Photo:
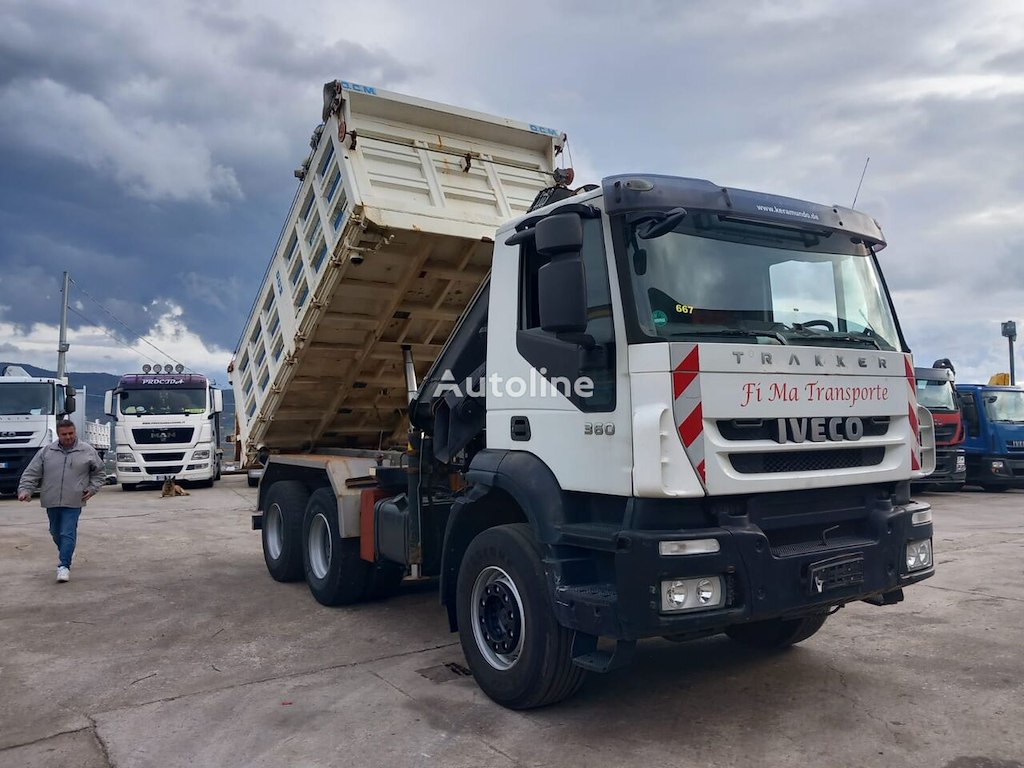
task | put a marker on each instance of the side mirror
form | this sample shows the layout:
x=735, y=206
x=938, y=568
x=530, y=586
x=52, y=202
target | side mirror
x=562, y=296
x=108, y=402
x=561, y=283
x=69, y=401
x=218, y=401
x=559, y=234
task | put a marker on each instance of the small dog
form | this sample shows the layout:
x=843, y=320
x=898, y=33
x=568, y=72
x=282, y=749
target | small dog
x=171, y=488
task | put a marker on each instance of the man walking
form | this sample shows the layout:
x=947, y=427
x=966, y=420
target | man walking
x=70, y=472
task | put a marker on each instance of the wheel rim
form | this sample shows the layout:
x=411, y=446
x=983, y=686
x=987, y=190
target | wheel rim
x=273, y=523
x=319, y=546
x=499, y=621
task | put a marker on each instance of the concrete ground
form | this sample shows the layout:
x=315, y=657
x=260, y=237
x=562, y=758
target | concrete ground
x=171, y=646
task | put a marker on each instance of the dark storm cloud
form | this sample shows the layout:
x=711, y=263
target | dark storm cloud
x=148, y=151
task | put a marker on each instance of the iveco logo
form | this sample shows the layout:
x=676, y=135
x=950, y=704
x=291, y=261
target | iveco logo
x=8, y=434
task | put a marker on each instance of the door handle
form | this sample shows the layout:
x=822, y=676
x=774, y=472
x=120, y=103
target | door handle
x=520, y=428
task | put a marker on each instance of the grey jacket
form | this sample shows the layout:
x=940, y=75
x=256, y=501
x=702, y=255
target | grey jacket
x=65, y=475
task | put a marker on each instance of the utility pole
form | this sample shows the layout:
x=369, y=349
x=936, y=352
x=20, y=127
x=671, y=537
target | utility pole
x=63, y=346
x=1010, y=332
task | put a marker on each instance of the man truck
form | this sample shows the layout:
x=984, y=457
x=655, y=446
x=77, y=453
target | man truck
x=166, y=425
x=935, y=392
x=654, y=406
x=30, y=407
x=994, y=423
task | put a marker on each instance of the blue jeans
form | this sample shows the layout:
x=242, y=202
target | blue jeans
x=64, y=530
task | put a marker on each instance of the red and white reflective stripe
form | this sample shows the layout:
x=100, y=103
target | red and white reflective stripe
x=915, y=445
x=686, y=403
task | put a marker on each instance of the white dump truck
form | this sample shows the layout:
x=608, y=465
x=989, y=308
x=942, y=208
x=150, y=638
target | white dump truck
x=655, y=406
x=30, y=407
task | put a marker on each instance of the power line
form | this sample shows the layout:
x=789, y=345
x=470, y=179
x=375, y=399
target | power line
x=124, y=325
x=114, y=338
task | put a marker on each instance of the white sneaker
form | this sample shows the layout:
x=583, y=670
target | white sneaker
x=63, y=574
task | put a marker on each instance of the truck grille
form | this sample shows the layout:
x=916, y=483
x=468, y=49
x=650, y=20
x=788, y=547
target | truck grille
x=157, y=435
x=163, y=457
x=806, y=461
x=14, y=438
x=161, y=470
x=944, y=432
x=767, y=429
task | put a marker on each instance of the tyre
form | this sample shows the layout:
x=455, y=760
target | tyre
x=252, y=481
x=127, y=487
x=216, y=474
x=994, y=488
x=775, y=634
x=204, y=483
x=519, y=654
x=335, y=573
x=282, y=529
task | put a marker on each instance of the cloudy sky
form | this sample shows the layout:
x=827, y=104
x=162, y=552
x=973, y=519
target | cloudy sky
x=148, y=148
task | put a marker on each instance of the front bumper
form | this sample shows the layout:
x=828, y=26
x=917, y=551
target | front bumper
x=763, y=578
x=157, y=466
x=13, y=462
x=997, y=471
x=950, y=469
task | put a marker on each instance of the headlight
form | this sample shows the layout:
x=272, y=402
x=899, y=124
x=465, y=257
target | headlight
x=997, y=466
x=205, y=454
x=128, y=458
x=691, y=594
x=919, y=554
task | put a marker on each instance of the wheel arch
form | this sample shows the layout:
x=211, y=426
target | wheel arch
x=506, y=487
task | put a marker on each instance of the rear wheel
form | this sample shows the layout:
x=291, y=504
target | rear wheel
x=775, y=634
x=252, y=481
x=129, y=486
x=335, y=573
x=519, y=654
x=282, y=529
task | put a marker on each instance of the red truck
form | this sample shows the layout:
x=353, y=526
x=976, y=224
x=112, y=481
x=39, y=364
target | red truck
x=935, y=392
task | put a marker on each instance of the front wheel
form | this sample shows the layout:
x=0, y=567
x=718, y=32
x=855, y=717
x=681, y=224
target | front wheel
x=775, y=634
x=520, y=655
x=993, y=488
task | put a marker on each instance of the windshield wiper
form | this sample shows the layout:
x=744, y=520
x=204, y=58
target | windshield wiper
x=855, y=338
x=735, y=332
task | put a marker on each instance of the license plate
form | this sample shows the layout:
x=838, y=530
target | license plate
x=835, y=573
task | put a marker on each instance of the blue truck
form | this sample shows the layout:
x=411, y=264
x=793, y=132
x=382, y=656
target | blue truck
x=994, y=443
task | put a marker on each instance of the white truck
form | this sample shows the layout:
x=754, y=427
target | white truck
x=166, y=425
x=30, y=407
x=651, y=407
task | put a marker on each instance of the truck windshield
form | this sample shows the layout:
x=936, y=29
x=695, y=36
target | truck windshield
x=26, y=399
x=936, y=395
x=750, y=283
x=161, y=402
x=1005, y=406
